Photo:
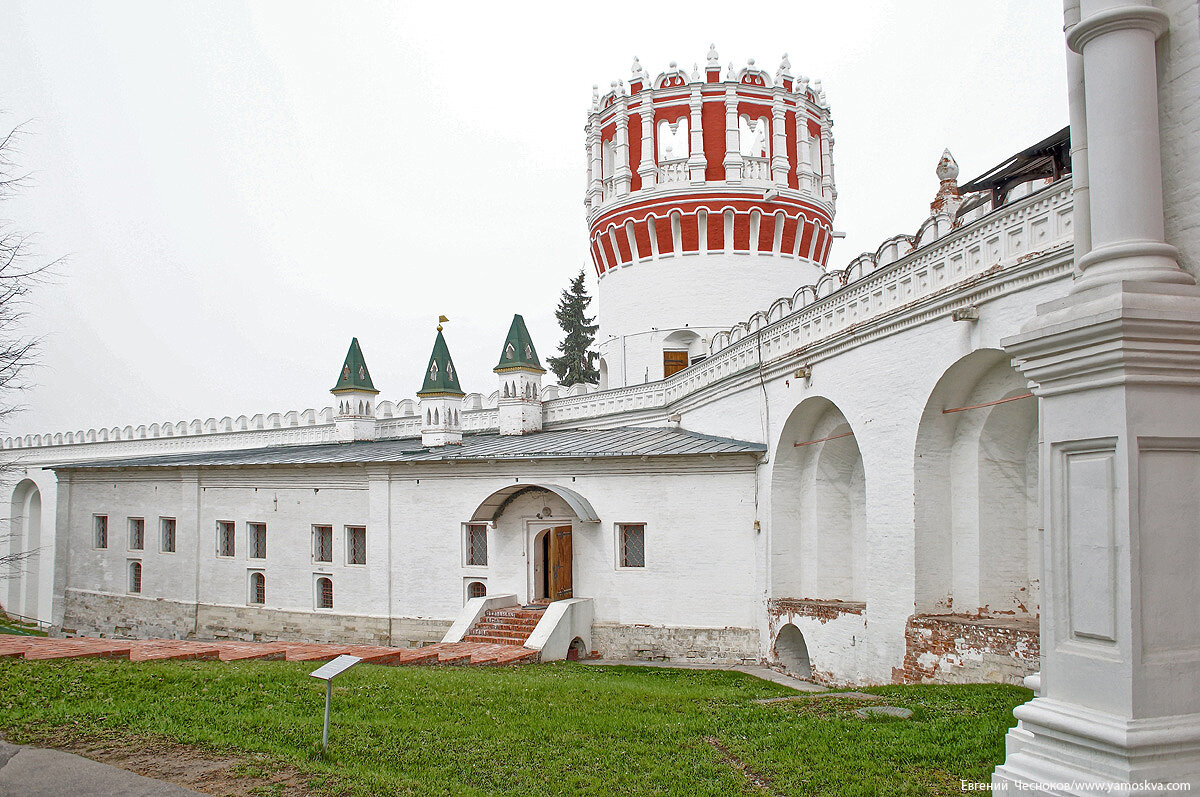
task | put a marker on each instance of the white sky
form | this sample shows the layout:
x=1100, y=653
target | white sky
x=240, y=189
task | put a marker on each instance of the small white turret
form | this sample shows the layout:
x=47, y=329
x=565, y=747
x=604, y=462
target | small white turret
x=441, y=398
x=520, y=375
x=354, y=414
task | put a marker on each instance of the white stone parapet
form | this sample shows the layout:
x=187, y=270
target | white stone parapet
x=871, y=286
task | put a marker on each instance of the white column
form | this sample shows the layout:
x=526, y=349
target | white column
x=595, y=190
x=826, y=161
x=622, y=174
x=733, y=139
x=1116, y=42
x=804, y=169
x=1116, y=366
x=697, y=163
x=647, y=169
x=779, y=160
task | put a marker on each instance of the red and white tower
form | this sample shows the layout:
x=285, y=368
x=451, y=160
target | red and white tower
x=710, y=195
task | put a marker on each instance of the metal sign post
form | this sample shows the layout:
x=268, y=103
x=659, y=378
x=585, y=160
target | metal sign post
x=326, y=673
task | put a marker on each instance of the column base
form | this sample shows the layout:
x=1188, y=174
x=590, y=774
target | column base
x=1062, y=749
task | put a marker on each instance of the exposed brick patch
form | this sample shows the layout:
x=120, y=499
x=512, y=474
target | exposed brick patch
x=954, y=648
x=820, y=610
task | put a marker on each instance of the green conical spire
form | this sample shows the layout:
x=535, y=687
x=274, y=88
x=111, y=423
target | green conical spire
x=354, y=374
x=441, y=378
x=518, y=351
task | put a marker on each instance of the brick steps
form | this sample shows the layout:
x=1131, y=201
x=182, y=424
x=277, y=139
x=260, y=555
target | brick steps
x=511, y=627
x=443, y=654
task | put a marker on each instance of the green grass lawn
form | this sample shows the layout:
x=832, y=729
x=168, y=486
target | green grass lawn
x=552, y=729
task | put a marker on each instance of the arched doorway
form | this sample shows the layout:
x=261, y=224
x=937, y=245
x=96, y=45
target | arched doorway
x=533, y=528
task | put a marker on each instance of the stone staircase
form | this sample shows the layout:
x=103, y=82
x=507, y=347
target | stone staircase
x=511, y=625
x=443, y=653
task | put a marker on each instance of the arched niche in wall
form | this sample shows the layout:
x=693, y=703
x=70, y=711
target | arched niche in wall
x=975, y=492
x=818, y=506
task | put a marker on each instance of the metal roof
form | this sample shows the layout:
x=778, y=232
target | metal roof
x=494, y=504
x=572, y=444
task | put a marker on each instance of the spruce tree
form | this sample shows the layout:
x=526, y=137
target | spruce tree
x=576, y=363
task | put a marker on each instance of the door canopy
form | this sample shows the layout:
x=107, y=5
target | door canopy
x=494, y=505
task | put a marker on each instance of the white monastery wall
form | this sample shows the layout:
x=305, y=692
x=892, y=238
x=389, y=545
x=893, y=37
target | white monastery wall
x=828, y=539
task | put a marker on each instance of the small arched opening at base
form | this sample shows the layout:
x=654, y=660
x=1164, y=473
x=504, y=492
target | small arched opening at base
x=577, y=650
x=792, y=652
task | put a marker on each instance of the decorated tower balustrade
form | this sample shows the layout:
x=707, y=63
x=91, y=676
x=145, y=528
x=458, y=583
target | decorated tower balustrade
x=716, y=186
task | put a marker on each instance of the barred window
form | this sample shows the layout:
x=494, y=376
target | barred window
x=476, y=589
x=166, y=526
x=258, y=540
x=225, y=541
x=137, y=533
x=322, y=543
x=476, y=543
x=100, y=531
x=324, y=593
x=258, y=588
x=135, y=577
x=356, y=545
x=632, y=544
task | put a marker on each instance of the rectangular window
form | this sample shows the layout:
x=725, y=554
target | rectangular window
x=100, y=531
x=225, y=541
x=322, y=543
x=476, y=544
x=137, y=533
x=631, y=538
x=258, y=540
x=166, y=527
x=674, y=362
x=356, y=545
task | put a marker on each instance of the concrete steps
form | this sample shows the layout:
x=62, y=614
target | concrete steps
x=445, y=654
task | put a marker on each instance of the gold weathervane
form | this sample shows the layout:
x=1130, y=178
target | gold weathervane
x=442, y=320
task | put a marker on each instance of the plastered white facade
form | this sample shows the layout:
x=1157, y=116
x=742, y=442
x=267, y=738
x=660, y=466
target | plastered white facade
x=908, y=520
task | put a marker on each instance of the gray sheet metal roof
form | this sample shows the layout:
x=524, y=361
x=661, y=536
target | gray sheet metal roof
x=573, y=443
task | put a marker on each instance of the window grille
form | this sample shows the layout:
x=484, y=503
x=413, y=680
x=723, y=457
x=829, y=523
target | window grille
x=225, y=541
x=100, y=531
x=324, y=593
x=476, y=589
x=477, y=544
x=633, y=544
x=167, y=528
x=258, y=540
x=137, y=533
x=258, y=588
x=135, y=577
x=356, y=545
x=322, y=543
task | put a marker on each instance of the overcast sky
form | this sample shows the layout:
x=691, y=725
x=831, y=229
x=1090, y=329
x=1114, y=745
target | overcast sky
x=240, y=188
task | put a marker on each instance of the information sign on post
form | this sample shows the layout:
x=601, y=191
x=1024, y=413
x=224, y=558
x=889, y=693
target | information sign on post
x=327, y=672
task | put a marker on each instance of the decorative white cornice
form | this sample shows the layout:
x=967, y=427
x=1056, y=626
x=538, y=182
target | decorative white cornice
x=1131, y=17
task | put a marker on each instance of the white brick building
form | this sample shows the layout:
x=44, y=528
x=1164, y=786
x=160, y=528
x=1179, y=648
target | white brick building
x=832, y=470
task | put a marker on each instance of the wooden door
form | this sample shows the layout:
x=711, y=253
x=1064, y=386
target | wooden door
x=560, y=563
x=674, y=362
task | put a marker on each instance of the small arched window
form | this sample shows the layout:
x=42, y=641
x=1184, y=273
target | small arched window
x=258, y=588
x=324, y=593
x=135, y=577
x=476, y=589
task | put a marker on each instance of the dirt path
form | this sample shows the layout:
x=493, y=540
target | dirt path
x=184, y=765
